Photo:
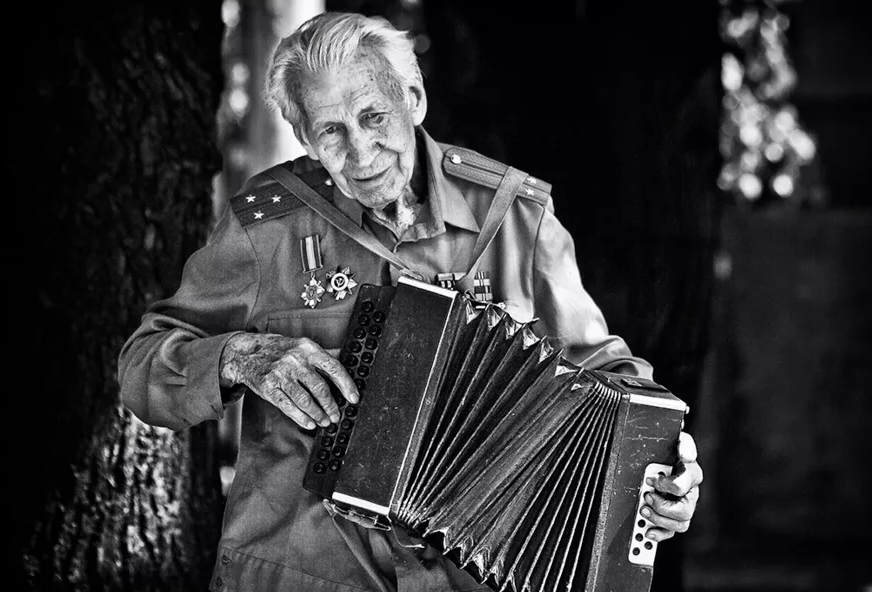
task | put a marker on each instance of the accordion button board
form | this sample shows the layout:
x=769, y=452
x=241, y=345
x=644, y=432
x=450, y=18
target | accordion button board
x=357, y=355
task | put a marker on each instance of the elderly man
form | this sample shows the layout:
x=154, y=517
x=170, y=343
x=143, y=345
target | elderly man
x=262, y=309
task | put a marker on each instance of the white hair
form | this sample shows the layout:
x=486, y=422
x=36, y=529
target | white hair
x=329, y=41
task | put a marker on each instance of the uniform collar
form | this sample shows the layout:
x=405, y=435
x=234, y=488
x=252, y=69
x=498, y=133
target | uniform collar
x=447, y=204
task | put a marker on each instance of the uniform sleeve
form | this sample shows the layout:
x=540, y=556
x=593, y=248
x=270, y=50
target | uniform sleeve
x=567, y=312
x=169, y=368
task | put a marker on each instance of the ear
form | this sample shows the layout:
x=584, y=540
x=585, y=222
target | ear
x=417, y=103
x=304, y=142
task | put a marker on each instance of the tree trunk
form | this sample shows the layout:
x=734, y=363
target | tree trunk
x=113, y=175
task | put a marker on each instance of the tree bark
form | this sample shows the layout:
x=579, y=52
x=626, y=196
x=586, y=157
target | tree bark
x=116, y=110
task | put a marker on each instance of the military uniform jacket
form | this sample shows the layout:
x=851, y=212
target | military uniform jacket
x=276, y=535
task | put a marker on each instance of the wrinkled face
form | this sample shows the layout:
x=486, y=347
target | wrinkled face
x=363, y=136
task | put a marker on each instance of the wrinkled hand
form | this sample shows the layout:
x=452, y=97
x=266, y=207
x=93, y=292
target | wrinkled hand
x=290, y=373
x=671, y=506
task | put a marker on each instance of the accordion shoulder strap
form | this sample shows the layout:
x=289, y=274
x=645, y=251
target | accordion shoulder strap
x=334, y=216
x=503, y=199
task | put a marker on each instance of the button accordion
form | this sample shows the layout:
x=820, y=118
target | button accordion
x=479, y=436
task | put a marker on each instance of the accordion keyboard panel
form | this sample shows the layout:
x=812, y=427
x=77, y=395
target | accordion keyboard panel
x=358, y=353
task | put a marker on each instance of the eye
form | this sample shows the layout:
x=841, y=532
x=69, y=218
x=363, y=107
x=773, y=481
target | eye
x=329, y=130
x=375, y=118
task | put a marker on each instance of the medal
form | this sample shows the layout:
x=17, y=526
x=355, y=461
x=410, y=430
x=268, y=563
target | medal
x=340, y=282
x=448, y=280
x=481, y=287
x=310, y=258
x=312, y=292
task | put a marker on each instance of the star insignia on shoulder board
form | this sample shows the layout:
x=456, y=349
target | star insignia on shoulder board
x=340, y=282
x=249, y=198
x=531, y=180
x=276, y=198
x=528, y=191
x=258, y=215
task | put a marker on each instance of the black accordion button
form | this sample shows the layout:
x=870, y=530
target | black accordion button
x=359, y=333
x=331, y=429
x=338, y=451
x=326, y=441
x=363, y=320
x=323, y=454
x=367, y=357
x=363, y=371
x=346, y=424
x=379, y=317
x=371, y=343
x=355, y=347
x=375, y=330
x=350, y=360
x=351, y=411
x=318, y=468
x=360, y=384
x=367, y=306
x=335, y=464
x=342, y=438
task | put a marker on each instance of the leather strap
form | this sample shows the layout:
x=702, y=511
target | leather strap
x=505, y=195
x=334, y=216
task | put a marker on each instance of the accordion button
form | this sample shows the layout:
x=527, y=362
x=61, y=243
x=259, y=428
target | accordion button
x=338, y=451
x=360, y=384
x=363, y=319
x=641, y=524
x=354, y=347
x=375, y=330
x=319, y=468
x=359, y=333
x=323, y=454
x=371, y=343
x=335, y=464
x=350, y=360
x=326, y=441
x=649, y=545
x=351, y=411
x=342, y=438
x=636, y=551
x=347, y=424
x=379, y=317
x=331, y=429
x=367, y=306
x=363, y=371
x=366, y=357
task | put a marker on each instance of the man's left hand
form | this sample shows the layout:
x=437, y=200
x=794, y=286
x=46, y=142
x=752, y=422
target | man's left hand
x=671, y=506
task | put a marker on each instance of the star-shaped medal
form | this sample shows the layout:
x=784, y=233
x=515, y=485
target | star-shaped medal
x=312, y=292
x=341, y=282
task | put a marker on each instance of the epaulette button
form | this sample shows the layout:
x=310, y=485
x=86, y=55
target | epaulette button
x=455, y=158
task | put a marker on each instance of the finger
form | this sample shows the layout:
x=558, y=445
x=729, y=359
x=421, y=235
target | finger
x=685, y=477
x=659, y=534
x=321, y=395
x=680, y=509
x=297, y=390
x=280, y=399
x=336, y=372
x=664, y=522
x=687, y=452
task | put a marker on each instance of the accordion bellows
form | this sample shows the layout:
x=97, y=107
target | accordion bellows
x=472, y=427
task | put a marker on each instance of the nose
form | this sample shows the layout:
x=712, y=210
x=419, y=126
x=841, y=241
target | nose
x=362, y=148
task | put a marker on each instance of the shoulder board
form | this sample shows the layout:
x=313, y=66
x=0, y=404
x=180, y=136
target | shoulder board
x=476, y=168
x=272, y=200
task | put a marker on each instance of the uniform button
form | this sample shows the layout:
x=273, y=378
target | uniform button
x=225, y=559
x=219, y=582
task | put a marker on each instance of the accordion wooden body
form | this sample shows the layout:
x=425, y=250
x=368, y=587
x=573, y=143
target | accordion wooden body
x=477, y=434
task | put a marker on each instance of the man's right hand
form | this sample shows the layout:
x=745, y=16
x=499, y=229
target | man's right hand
x=289, y=373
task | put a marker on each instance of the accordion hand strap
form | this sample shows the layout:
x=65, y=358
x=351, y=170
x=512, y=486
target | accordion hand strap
x=505, y=195
x=334, y=216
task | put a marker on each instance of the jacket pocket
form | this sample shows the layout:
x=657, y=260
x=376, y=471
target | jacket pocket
x=324, y=327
